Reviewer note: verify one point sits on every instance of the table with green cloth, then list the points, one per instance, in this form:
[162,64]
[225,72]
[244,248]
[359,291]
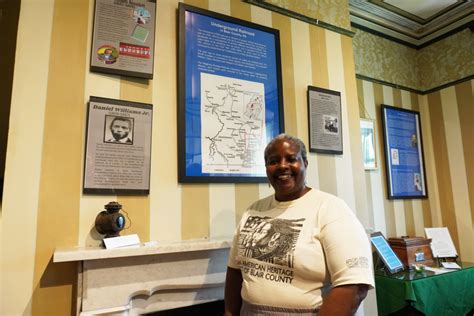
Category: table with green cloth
[450,293]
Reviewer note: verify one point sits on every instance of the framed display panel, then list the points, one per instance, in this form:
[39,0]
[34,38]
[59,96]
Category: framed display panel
[229,98]
[324,121]
[389,258]
[123,37]
[404,161]
[118,147]
[367,138]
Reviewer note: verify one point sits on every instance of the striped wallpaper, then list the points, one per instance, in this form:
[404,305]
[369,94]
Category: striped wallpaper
[43,207]
[448,140]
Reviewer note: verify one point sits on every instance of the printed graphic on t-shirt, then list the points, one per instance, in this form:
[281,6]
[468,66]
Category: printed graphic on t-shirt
[270,240]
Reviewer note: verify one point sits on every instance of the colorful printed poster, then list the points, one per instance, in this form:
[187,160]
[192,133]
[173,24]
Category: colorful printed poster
[123,39]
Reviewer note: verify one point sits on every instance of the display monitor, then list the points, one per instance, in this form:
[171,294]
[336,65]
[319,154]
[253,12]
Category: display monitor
[386,253]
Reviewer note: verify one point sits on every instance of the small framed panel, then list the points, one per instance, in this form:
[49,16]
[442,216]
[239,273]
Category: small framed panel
[123,38]
[367,139]
[404,160]
[324,121]
[229,99]
[118,147]
[389,258]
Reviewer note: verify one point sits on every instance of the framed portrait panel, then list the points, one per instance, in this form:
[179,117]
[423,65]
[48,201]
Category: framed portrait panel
[229,98]
[118,147]
[404,160]
[324,121]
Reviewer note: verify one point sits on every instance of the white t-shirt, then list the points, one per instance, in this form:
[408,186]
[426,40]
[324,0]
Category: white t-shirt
[291,253]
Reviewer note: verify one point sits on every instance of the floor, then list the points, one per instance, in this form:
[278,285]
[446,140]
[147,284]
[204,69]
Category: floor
[207,309]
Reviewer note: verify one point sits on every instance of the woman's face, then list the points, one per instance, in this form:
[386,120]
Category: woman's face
[286,170]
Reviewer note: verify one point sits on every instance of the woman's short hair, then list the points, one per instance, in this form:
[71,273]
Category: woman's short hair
[298,142]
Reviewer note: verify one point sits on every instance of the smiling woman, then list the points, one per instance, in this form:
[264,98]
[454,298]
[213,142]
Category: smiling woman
[300,238]
[286,162]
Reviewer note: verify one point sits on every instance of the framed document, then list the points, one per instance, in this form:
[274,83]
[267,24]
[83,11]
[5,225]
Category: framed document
[230,97]
[389,258]
[404,161]
[325,121]
[118,147]
[367,139]
[123,39]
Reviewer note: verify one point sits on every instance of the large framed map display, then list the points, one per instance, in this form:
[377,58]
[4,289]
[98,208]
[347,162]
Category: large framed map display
[230,97]
[404,161]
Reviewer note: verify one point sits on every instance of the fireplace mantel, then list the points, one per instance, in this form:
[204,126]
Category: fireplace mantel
[133,281]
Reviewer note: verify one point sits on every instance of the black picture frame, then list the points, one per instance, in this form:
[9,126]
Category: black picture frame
[324,121]
[391,262]
[117,162]
[127,48]
[230,98]
[403,151]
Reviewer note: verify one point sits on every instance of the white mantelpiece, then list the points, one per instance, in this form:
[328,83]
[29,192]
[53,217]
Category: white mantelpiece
[132,281]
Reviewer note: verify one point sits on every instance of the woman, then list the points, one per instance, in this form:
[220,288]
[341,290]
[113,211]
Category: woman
[299,251]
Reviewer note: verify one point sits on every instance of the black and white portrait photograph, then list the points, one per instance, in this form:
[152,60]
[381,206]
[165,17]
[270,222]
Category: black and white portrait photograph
[118,130]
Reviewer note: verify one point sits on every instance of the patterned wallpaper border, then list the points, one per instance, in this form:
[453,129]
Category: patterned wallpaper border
[396,86]
[426,69]
[300,16]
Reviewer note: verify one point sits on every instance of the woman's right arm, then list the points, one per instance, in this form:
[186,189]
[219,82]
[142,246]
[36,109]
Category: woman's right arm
[232,298]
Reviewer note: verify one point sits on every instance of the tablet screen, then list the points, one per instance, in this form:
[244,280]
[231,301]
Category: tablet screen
[386,253]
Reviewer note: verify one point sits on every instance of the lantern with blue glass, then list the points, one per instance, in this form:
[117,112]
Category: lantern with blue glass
[110,222]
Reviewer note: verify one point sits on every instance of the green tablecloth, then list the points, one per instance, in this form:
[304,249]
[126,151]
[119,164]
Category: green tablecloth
[444,294]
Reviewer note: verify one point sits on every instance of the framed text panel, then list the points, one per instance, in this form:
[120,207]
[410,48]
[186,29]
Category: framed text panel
[230,97]
[404,160]
[118,147]
[324,121]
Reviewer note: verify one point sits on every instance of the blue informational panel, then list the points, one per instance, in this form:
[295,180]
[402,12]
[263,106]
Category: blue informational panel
[404,160]
[386,253]
[230,97]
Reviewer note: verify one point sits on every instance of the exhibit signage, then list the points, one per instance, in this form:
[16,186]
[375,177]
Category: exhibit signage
[123,39]
[230,98]
[404,160]
[118,147]
[324,121]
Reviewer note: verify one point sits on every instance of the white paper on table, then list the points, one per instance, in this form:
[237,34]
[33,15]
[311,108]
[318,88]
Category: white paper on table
[438,270]
[450,265]
[441,243]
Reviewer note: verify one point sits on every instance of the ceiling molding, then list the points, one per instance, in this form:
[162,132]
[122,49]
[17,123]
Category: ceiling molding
[395,22]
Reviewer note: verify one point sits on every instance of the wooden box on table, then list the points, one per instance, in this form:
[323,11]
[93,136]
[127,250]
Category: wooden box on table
[412,250]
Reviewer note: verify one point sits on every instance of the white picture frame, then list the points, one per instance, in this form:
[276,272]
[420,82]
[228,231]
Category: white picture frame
[368,143]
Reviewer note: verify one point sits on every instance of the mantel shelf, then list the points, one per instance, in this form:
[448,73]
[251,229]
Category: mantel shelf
[93,253]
